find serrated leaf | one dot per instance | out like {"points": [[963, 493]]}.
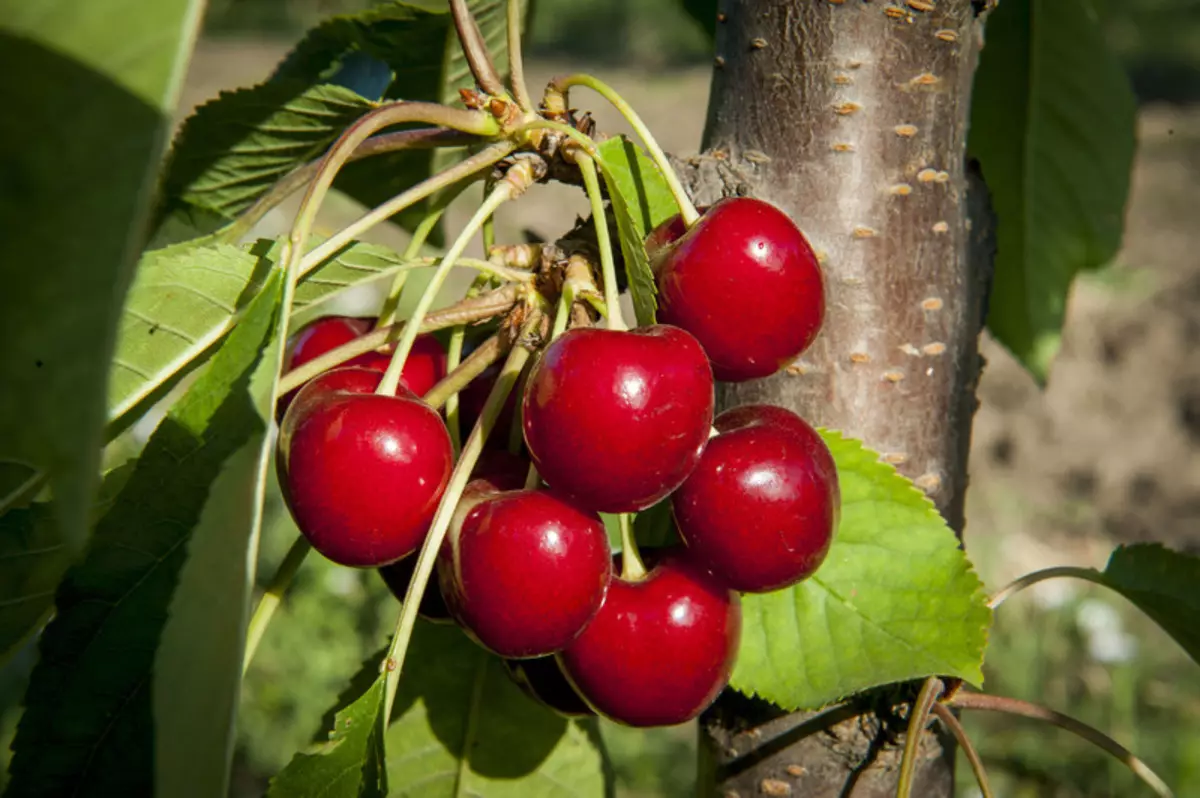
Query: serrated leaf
{"points": [[96, 91], [235, 147], [641, 200], [33, 560], [1052, 124], [462, 727], [89, 724], [350, 763], [1161, 583], [187, 297], [896, 599]]}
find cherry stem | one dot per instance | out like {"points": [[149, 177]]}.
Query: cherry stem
{"points": [[272, 596], [391, 378], [608, 267], [632, 567], [1026, 709], [964, 742], [516, 64], [458, 337], [918, 716], [480, 309], [24, 492], [383, 143], [463, 169], [394, 663], [479, 60], [686, 209], [1030, 579], [582, 139], [485, 355]]}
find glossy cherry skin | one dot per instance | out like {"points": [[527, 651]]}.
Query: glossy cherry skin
{"points": [[760, 509], [542, 680], [617, 420], [362, 474], [660, 649], [745, 282], [525, 572]]}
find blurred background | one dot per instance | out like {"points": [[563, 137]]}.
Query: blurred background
{"points": [[1108, 453]]}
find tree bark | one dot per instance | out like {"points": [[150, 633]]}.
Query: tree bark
{"points": [[851, 115]]}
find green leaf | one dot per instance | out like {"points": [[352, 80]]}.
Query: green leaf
{"points": [[96, 88], [641, 200], [1052, 124], [89, 726], [350, 763], [1161, 583], [895, 600], [186, 299], [235, 147], [462, 727]]}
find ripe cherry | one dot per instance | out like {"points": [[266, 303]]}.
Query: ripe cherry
{"points": [[760, 509], [362, 473], [426, 363], [542, 680], [660, 649], [745, 282], [617, 420], [525, 572]]}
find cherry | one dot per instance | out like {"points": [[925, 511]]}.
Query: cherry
{"points": [[745, 282], [617, 420], [525, 572], [399, 574], [362, 473], [660, 649], [760, 509], [542, 680], [470, 406], [426, 363]]}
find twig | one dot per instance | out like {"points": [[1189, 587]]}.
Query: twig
{"points": [[964, 742], [479, 60], [918, 714]]}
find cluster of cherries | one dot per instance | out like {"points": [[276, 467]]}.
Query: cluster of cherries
{"points": [[614, 422]]}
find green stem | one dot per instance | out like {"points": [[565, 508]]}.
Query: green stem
{"points": [[686, 209], [516, 64], [918, 715], [293, 181], [394, 663], [391, 378], [587, 168], [371, 122], [463, 169], [964, 742], [479, 60], [632, 567], [484, 355], [480, 309], [272, 596], [587, 143], [1028, 580], [1025, 709]]}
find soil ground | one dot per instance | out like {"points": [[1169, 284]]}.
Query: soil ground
{"points": [[1108, 452]]}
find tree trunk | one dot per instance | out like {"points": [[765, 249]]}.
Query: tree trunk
{"points": [[851, 115]]}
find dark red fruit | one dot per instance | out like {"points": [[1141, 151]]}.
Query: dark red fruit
{"points": [[503, 469], [525, 572], [397, 577], [542, 680], [617, 420], [362, 473], [745, 282], [426, 363], [659, 650], [470, 406], [760, 509]]}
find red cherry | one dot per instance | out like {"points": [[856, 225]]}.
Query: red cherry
{"points": [[760, 509], [617, 420], [502, 468], [660, 649], [542, 679], [470, 406], [399, 574], [745, 282], [362, 473], [425, 366], [525, 572]]}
